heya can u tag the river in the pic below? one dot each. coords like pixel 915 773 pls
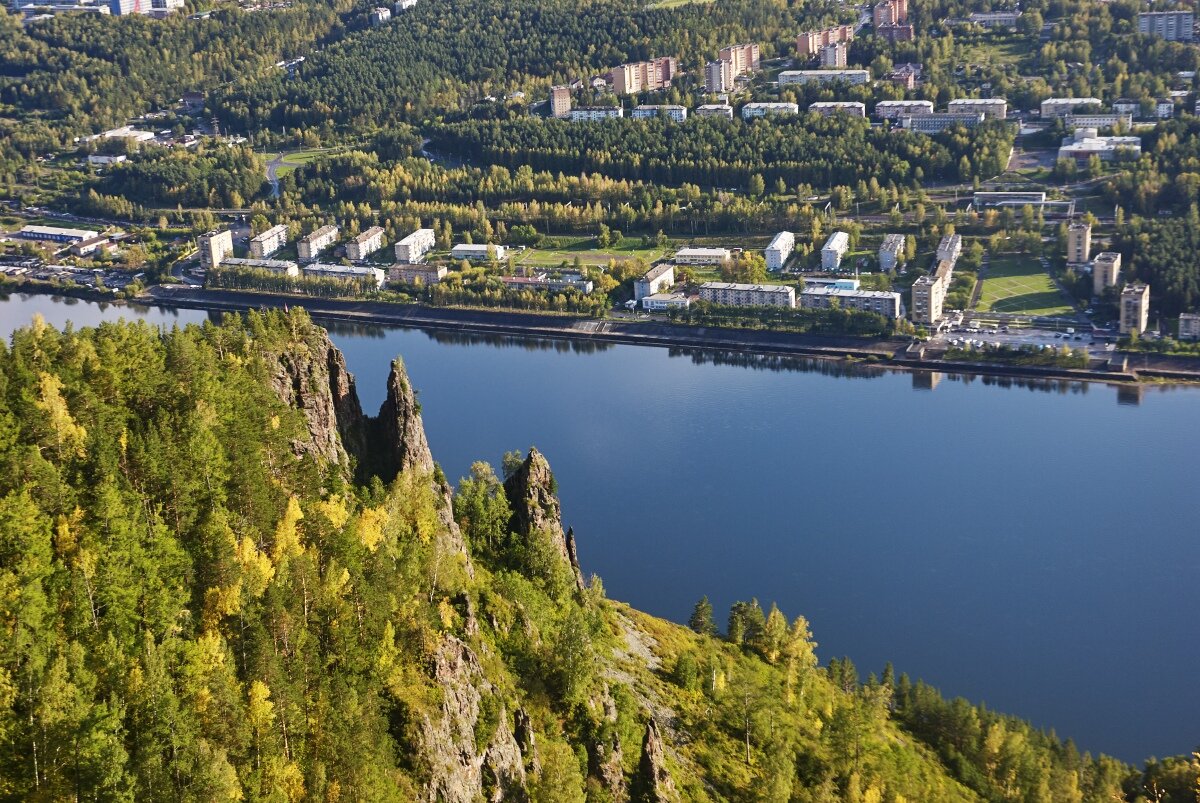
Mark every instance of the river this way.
pixel 1028 545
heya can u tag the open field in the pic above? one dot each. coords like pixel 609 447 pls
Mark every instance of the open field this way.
pixel 587 253
pixel 1021 285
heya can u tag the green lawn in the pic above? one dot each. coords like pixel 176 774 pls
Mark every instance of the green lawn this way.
pixel 587 252
pixel 1019 284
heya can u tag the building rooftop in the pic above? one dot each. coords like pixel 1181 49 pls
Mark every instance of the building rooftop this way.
pixel 765 288
pixel 782 237
pixel 657 270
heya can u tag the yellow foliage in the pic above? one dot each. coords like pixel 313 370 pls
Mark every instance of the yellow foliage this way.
pixel 335 510
pixel 370 527
pixel 257 571
pixel 68 435
pixel 447 613
pixel 260 710
pixel 287 532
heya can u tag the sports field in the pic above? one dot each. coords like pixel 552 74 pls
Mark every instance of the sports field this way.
pixel 1019 284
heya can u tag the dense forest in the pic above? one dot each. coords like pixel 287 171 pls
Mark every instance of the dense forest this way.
pixel 1166 254
pixel 221 581
pixel 216 177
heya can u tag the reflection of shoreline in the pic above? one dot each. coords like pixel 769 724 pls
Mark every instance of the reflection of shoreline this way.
pixel 777 363
pixel 527 342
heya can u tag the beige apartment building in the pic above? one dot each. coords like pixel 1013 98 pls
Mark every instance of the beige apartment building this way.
pixel 1079 242
pixel 929 294
pixel 365 244
pixel 1135 307
pixel 268 242
pixel 733 294
pixel 643 76
pixel 834 56
pixel 1106 269
pixel 311 246
pixel 214 246
pixel 810 42
pixel 742 58
pixel 560 101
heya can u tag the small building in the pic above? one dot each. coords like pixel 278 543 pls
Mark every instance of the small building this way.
pixel 345 273
pixel 763 109
pixel 660 277
pixel 651 111
pixel 267 243
pixel 662 302
pixel 990 108
pixel 214 246
pixel 1096 120
pixel 99 242
pixel 593 114
pixel 779 250
pixel 104 159
pixel 478 252
pixel 1079 242
pixel 1106 272
pixel 715 110
pixel 310 246
pixel 732 294
pixel 365 244
pixel 891 252
pixel 852 77
pixel 1189 326
pixel 1084 144
pixel 828 108
pixel 1135 307
pixel 413 247
pixel 702 256
pixel 1060 107
pixel 55 234
pixel 833 251
pixel 416 273
pixel 895 109
pixel 284 267
pixel 937 123
pixel 881 302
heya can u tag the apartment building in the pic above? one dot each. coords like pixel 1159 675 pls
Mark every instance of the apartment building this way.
pixel 593 114
pixel 714 110
pixel 891 252
pixel 1127 106
pixel 938 122
pixel 906 75
pixel 413 247
pixel 828 108
pixel 895 109
pixel 719 76
pixel 702 256
pixel 833 251
pixel 763 109
pixel 881 302
pixel 1079 242
pixel 853 77
pixel 810 42
pixel 380 15
pixel 365 244
pixel 779 250
pixel 660 277
pixel 1189 326
pixel 896 32
pixel 311 245
pixel 1164 108
pixel 1060 107
pixel 1106 272
pixel 346 273
pixel 543 282
pixel 643 76
pixel 1174 26
pixel 214 247
pixel 1135 307
pixel 478 252
pixel 560 101
pixel 949 248
pixel 651 111
pixel 1097 120
pixel 990 108
pixel 283 267
pixel 270 241
pixel 742 58
pixel 416 273
pixel 732 294
pixel 889 12
pixel 929 294
pixel 995 19
pixel 833 56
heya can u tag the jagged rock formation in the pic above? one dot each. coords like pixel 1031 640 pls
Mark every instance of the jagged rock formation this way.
pixel 402 444
pixel 532 495
pixel 605 755
pixel 653 782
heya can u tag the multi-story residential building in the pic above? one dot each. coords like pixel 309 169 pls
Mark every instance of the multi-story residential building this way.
pixel 560 101
pixel 702 256
pixel 949 248
pixel 714 110
pixel 1079 242
pixel 1164 108
pixel 889 12
pixel 651 111
pixel 809 42
pixel 284 267
pixel 938 122
pixel 543 282
pixel 643 76
pixel 878 301
pixel 762 109
pixel 743 58
pixel 991 108
pixel 718 76
pixel 833 251
pixel 929 294
pixel 833 56
pixel 1061 107
pixel 1135 307
pixel 895 109
pixel 732 294
pixel 1189 326
pixel 310 246
pixel 906 75
pixel 1106 272
pixel 790 77
pixel 995 19
pixel 828 108
pixel 270 241
pixel 891 252
pixel 662 302
pixel 1128 106
pixel 1084 144
pixel 214 247
pixel 592 114
pixel 1174 26
pixel 365 244
pixel 1099 120
pixel 660 277
pixel 413 247
pixel 380 15
pixel 346 273
pixel 896 32
pixel 478 252
pixel 779 250
pixel 159 9
pixel 416 273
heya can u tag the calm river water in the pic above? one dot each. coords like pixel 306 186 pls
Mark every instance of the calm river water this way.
pixel 1034 547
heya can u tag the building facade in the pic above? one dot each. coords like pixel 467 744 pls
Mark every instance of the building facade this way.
pixel 810 42
pixel 311 246
pixel 214 247
pixel 833 251
pixel 282 267
pixel 652 111
pixel 1106 272
pixel 643 76
pixel 779 250
pixel 702 256
pixel 346 273
pixel 990 108
pixel 1079 242
pixel 592 114
pixel 560 101
pixel 660 277
pixel 1061 107
pixel 715 110
pixel 929 294
pixel 949 248
pixel 833 56
pixel 881 302
pixel 413 247
pixel 1174 26
pixel 742 58
pixel 478 252
pixel 732 294
pixel 995 19
pixel 1189 326
pixel 718 76
pixel 938 122
pixel 762 109
pixel 895 109
pixel 852 77
pixel 270 241
pixel 891 252
pixel 416 273
pixel 1135 307
pixel 365 244
pixel 828 108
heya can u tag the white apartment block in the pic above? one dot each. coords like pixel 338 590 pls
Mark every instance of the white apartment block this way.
pixel 415 246
pixel 267 243
pixel 345 273
pixel 660 277
pixel 949 248
pixel 1135 307
pixel 881 302
pixel 833 56
pixel 365 244
pixel 1174 26
pixel 719 76
pixel 592 114
pixel 779 250
pixel 1189 326
pixel 714 110
pixel 790 77
pixel 701 256
pixel 828 108
pixel 311 246
pixel 938 122
pixel 1061 107
pixel 214 247
pixel 748 295
pixel 762 109
pixel 990 108
pixel 652 111
pixel 282 266
pixel 834 249
pixel 661 302
pixel 891 251
pixel 478 252
pixel 895 109
pixel 1106 271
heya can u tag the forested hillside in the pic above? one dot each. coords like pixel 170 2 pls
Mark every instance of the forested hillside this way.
pixel 219 580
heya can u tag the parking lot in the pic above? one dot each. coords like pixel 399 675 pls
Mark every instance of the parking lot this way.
pixel 960 337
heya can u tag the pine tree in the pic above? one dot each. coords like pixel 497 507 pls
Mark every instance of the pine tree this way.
pixel 701 619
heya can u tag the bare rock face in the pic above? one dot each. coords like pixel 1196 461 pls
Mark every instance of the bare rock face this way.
pixel 402 443
pixel 459 771
pixel 532 495
pixel 653 783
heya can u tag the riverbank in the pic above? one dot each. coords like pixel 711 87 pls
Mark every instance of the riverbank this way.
pixel 893 352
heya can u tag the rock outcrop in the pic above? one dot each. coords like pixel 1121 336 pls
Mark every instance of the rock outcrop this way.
pixel 653 782
pixel 605 755
pixel 401 443
pixel 532 495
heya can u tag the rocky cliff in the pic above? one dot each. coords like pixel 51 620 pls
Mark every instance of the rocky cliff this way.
pixel 533 496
